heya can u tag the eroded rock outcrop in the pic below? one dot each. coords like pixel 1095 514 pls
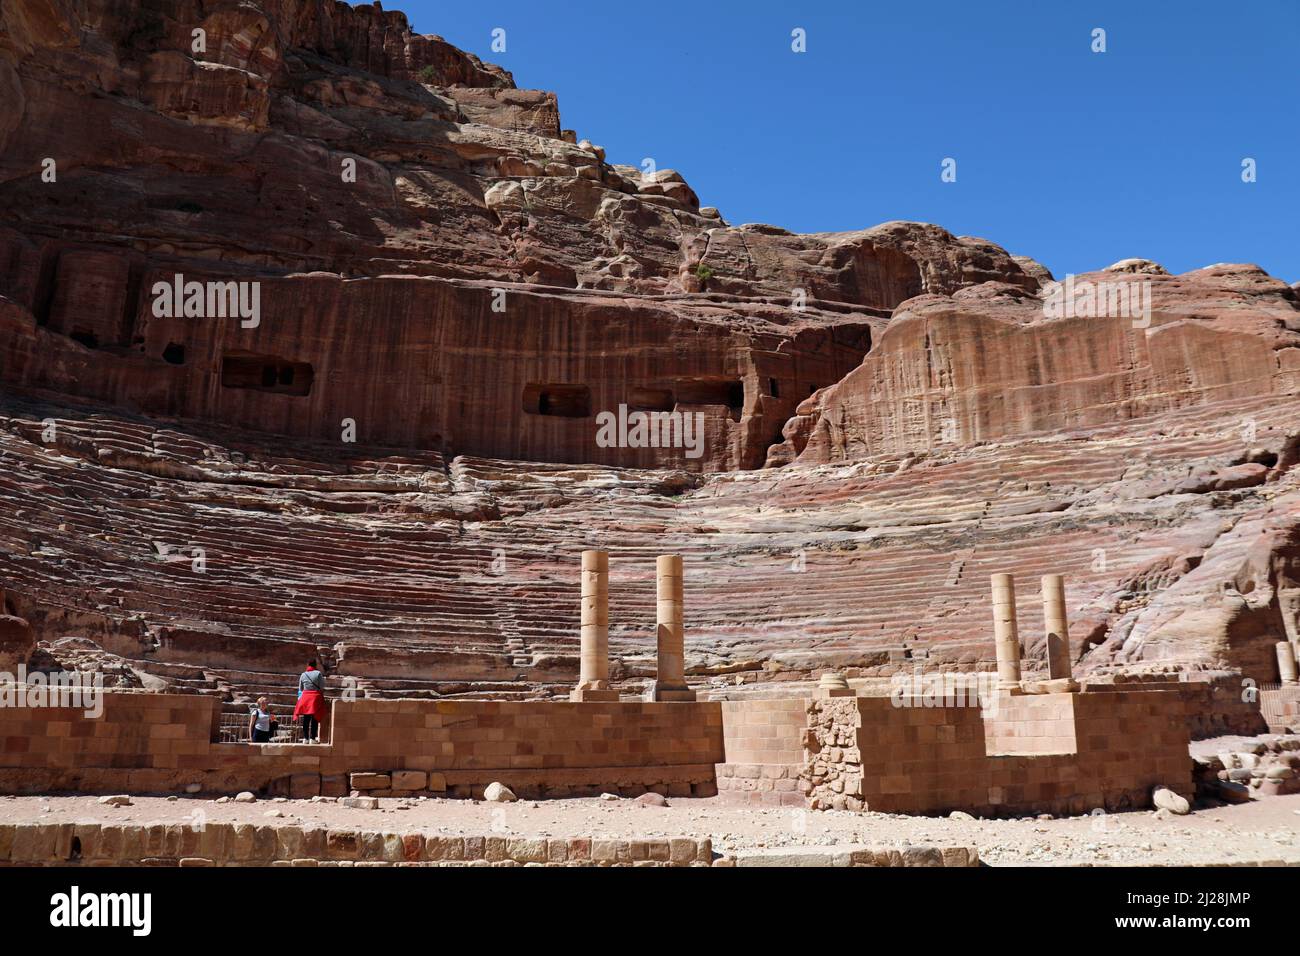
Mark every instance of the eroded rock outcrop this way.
pixel 987 364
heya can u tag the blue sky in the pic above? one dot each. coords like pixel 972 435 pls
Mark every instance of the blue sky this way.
pixel 1073 157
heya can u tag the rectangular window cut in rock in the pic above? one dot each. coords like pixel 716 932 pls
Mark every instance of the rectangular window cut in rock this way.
pixel 265 373
pixel 564 401
pixel 728 392
pixel 650 399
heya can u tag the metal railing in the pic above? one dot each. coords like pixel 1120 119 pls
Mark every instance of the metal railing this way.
pixel 234 730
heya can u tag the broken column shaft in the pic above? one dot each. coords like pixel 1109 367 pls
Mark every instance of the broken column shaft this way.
pixel 1006 637
pixel 1056 627
pixel 670 677
pixel 1286 663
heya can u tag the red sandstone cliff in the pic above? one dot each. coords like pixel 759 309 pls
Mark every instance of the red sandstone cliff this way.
pixel 228 164
pixel 944 425
pixel 986 364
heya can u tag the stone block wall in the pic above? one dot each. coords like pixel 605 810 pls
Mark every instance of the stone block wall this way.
pixel 1057 752
pixel 1060 753
pixel 134 732
pixel 1213 707
pixel 763 747
pixel 1031 724
pixel 150 743
pixel 245 844
pixel 865 753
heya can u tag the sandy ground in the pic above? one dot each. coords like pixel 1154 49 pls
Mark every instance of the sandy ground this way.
pixel 1260 832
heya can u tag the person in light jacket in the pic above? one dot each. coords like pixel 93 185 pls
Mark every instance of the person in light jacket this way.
pixel 261 725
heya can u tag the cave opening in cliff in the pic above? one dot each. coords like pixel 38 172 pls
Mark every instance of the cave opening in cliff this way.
pixel 89 339
pixel 265 373
pixel 559 400
pixel 174 354
pixel 728 392
pixel 774 388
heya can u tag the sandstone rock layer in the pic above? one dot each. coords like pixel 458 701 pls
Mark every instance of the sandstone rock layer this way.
pixel 394 462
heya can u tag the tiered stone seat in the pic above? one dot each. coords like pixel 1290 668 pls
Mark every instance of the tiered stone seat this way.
pixel 430 578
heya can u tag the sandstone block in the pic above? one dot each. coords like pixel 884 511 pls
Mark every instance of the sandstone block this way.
pixel 409 779
pixel 370 781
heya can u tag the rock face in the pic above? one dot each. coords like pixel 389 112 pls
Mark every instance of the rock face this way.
pixel 985 364
pixel 385 451
pixel 476 259
pixel 16 639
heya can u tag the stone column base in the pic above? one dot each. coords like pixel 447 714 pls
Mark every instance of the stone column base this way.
pixel 587 694
pixel 666 692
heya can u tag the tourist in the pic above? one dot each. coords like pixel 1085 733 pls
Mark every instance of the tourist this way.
pixel 261 726
pixel 311 702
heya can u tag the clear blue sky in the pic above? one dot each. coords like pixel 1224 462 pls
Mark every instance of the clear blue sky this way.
pixel 1073 157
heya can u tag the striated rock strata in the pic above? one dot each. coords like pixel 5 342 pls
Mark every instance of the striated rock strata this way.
pixel 394 462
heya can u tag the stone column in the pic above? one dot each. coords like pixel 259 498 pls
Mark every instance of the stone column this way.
pixel 1056 627
pixel 670 676
pixel 593 678
pixel 1005 635
pixel 1286 663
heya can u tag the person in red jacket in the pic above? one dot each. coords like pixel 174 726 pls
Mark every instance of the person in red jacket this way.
pixel 311 702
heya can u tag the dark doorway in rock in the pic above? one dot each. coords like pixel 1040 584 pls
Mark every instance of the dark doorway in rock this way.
pixel 727 392
pixel 266 373
pixel 559 400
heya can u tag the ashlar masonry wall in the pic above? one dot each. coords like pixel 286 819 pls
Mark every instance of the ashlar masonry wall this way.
pixel 763 745
pixel 1059 753
pixel 162 743
pixel 1067 752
